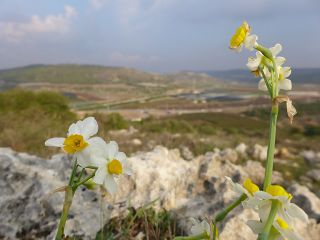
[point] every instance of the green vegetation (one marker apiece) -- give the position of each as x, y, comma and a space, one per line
69, 73
112, 121
155, 225
203, 124
27, 119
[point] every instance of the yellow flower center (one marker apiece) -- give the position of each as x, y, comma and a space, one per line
256, 73
240, 35
278, 191
250, 186
114, 167
74, 143
282, 223
281, 76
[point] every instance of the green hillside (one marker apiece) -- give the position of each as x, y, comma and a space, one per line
76, 74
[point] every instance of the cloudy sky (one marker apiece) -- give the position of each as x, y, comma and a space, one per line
154, 35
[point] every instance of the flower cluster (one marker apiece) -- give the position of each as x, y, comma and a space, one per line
93, 152
267, 64
284, 213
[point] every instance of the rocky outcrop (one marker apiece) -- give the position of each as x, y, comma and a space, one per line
190, 188
311, 158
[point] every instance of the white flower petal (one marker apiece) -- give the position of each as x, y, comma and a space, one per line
196, 230
237, 49
250, 42
83, 158
121, 156
123, 159
296, 212
262, 85
285, 84
100, 175
253, 63
235, 186
98, 161
199, 228
290, 234
256, 226
276, 49
286, 71
110, 184
97, 146
252, 203
280, 60
54, 142
112, 149
74, 129
127, 170
240, 189
264, 210
205, 226
88, 127
262, 195
284, 215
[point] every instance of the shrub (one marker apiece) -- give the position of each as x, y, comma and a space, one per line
111, 121
27, 119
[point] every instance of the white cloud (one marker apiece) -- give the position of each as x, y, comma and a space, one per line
15, 31
98, 3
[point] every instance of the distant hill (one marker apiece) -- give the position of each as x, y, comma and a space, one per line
298, 76
104, 84
68, 73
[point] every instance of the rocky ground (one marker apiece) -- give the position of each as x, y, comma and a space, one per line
192, 187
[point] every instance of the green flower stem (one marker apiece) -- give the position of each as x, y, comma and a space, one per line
271, 146
215, 233
268, 84
73, 173
265, 51
69, 193
267, 227
76, 185
196, 237
276, 78
222, 214
64, 215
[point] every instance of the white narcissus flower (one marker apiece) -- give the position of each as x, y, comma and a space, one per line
243, 37
283, 72
248, 188
284, 83
79, 140
111, 163
280, 229
285, 230
254, 63
286, 210
275, 50
200, 228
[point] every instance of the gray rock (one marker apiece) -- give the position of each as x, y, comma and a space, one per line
259, 152
311, 158
241, 149
27, 211
186, 153
189, 188
314, 174
229, 154
307, 200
